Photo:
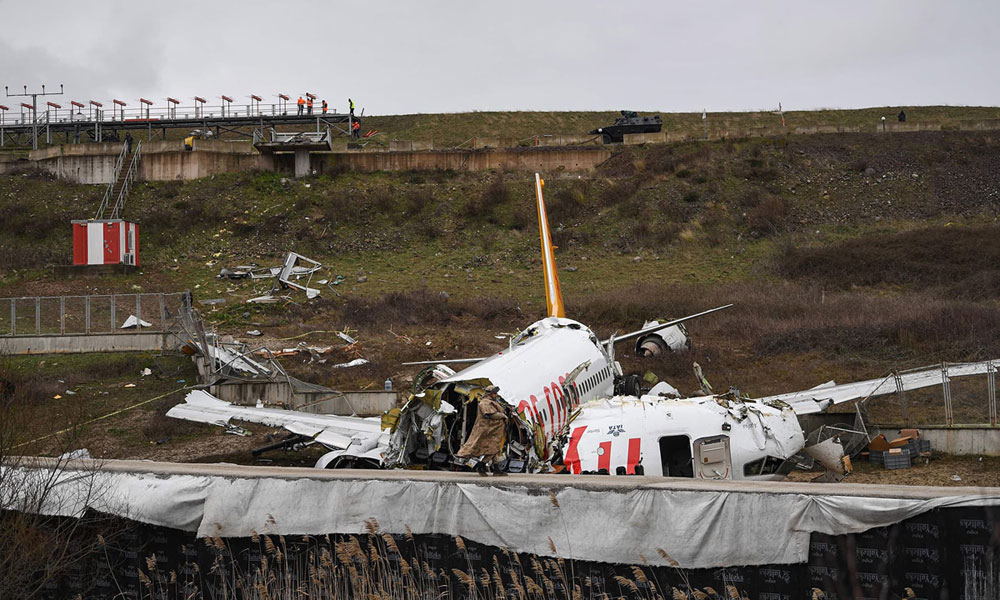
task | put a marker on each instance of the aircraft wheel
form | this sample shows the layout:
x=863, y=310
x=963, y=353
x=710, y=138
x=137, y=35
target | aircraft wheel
x=632, y=385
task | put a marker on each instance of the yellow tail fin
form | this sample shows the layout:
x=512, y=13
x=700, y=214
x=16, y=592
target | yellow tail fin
x=553, y=295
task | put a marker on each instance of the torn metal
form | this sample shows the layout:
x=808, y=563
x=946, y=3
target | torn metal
x=285, y=276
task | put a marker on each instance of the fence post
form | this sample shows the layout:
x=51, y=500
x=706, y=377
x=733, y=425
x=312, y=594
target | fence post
x=112, y=313
x=902, y=398
x=991, y=386
x=13, y=317
x=946, y=386
x=138, y=312
x=86, y=310
x=38, y=315
x=62, y=315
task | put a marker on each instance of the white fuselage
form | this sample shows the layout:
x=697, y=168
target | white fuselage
x=532, y=372
x=703, y=438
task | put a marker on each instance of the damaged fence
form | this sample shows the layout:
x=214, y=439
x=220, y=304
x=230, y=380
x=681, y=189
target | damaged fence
x=83, y=315
x=958, y=400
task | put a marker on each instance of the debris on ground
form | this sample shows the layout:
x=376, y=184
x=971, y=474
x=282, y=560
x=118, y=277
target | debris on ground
x=133, y=322
x=901, y=451
x=294, y=267
x=254, y=332
x=357, y=362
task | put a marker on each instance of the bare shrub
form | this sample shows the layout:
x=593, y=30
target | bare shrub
x=619, y=192
x=962, y=262
x=769, y=216
x=39, y=547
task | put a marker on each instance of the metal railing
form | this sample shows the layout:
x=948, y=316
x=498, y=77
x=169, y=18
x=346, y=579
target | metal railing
x=133, y=169
x=119, y=162
x=83, y=315
x=224, y=111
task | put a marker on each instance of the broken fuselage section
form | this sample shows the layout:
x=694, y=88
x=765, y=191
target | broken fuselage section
x=431, y=429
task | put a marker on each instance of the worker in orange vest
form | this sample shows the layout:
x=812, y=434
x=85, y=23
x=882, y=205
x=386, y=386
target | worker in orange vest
x=324, y=107
x=356, y=129
x=302, y=104
x=309, y=103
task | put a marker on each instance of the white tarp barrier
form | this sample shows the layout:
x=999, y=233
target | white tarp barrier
x=714, y=526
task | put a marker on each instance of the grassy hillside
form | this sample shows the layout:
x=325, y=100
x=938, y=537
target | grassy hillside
x=453, y=129
x=846, y=256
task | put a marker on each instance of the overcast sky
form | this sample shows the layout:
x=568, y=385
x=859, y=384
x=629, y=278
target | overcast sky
x=437, y=56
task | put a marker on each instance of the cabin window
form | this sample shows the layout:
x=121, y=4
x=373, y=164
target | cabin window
x=675, y=456
x=769, y=465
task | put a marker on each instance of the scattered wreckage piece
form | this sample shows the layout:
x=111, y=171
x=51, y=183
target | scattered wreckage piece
x=294, y=267
x=133, y=322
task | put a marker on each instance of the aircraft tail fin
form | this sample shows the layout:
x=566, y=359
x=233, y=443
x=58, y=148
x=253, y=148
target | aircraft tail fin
x=553, y=294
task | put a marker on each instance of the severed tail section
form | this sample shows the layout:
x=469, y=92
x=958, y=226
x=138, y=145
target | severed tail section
x=553, y=295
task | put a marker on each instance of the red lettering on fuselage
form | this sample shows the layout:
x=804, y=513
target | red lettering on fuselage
x=560, y=401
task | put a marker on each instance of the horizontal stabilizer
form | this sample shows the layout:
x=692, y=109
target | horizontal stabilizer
x=819, y=399
x=333, y=431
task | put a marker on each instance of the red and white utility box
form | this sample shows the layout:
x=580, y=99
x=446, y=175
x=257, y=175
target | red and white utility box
x=105, y=242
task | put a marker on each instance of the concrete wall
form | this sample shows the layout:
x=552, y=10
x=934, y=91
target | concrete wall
x=405, y=146
x=270, y=393
x=566, y=140
x=328, y=402
x=980, y=440
x=75, y=344
x=94, y=164
x=515, y=159
x=362, y=404
x=645, y=138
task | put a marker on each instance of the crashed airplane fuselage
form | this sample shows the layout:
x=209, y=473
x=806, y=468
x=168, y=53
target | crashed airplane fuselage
x=541, y=379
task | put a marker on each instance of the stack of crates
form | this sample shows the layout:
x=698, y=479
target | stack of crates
x=900, y=460
x=893, y=455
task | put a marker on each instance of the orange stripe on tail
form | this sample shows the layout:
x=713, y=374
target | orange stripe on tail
x=553, y=295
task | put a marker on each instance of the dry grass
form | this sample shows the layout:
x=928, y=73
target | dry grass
x=377, y=565
x=958, y=263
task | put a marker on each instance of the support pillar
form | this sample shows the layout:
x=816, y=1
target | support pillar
x=302, y=166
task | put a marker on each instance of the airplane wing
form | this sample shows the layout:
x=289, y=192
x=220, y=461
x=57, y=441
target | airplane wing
x=820, y=398
x=621, y=338
x=333, y=431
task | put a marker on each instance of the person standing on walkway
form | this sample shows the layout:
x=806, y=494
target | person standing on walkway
x=302, y=104
x=324, y=107
x=309, y=103
x=351, y=104
x=128, y=143
x=356, y=130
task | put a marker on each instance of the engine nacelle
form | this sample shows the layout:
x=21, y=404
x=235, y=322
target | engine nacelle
x=670, y=339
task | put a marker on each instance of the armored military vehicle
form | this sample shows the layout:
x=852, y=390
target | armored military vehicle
x=629, y=122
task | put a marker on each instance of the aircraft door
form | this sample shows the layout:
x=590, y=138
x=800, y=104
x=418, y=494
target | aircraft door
x=712, y=458
x=675, y=456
